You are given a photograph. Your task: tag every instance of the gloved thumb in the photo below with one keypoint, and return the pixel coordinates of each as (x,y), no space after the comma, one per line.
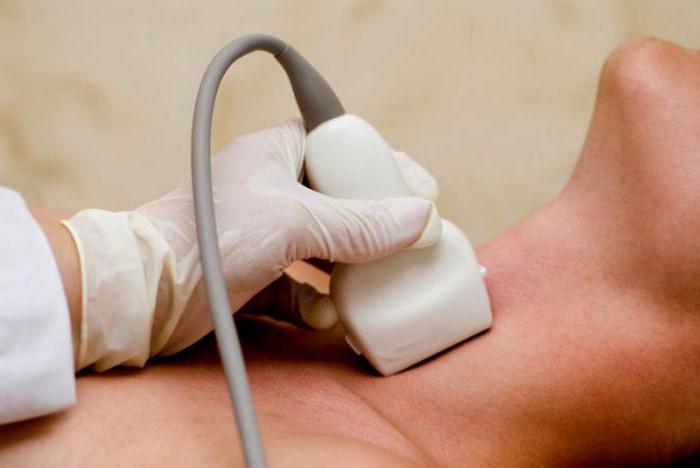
(358,231)
(291,301)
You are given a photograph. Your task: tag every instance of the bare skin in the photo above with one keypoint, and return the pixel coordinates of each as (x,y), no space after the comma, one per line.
(594,356)
(67,259)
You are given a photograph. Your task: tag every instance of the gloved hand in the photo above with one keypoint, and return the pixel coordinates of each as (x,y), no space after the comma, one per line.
(142,288)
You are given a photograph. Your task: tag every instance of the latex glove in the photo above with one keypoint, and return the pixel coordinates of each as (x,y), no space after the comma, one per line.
(142,288)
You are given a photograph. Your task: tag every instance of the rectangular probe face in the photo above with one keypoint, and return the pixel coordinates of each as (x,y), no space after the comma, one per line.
(403,309)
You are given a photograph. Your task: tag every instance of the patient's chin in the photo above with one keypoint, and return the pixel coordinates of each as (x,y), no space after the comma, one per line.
(637,182)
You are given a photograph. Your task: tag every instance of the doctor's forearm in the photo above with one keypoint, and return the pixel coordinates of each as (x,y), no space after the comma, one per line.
(67,260)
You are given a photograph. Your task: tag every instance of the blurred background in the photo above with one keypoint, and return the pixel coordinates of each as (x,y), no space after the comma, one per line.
(493,97)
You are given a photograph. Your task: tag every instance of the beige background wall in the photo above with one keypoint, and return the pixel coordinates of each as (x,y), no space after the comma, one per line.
(493,97)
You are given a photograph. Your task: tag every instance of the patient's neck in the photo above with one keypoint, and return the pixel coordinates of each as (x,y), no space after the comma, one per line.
(576,361)
(594,351)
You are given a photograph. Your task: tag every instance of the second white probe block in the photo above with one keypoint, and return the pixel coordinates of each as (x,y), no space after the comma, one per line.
(407,307)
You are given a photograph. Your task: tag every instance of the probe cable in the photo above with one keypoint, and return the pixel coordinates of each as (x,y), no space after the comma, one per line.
(317,103)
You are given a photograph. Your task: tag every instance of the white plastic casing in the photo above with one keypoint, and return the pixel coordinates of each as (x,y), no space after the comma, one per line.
(401,309)
(347,158)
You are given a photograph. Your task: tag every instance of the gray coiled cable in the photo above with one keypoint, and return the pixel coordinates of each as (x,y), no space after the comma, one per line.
(317,103)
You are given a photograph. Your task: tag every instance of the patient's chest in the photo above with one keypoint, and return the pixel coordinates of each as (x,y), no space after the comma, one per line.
(177,413)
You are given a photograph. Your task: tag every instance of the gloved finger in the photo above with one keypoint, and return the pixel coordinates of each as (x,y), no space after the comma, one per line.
(313,308)
(357,231)
(297,303)
(280,147)
(417,179)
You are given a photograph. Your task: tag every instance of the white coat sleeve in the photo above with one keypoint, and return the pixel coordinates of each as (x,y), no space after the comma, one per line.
(36,356)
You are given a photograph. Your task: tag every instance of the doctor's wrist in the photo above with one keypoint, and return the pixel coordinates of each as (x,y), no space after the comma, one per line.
(68,262)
